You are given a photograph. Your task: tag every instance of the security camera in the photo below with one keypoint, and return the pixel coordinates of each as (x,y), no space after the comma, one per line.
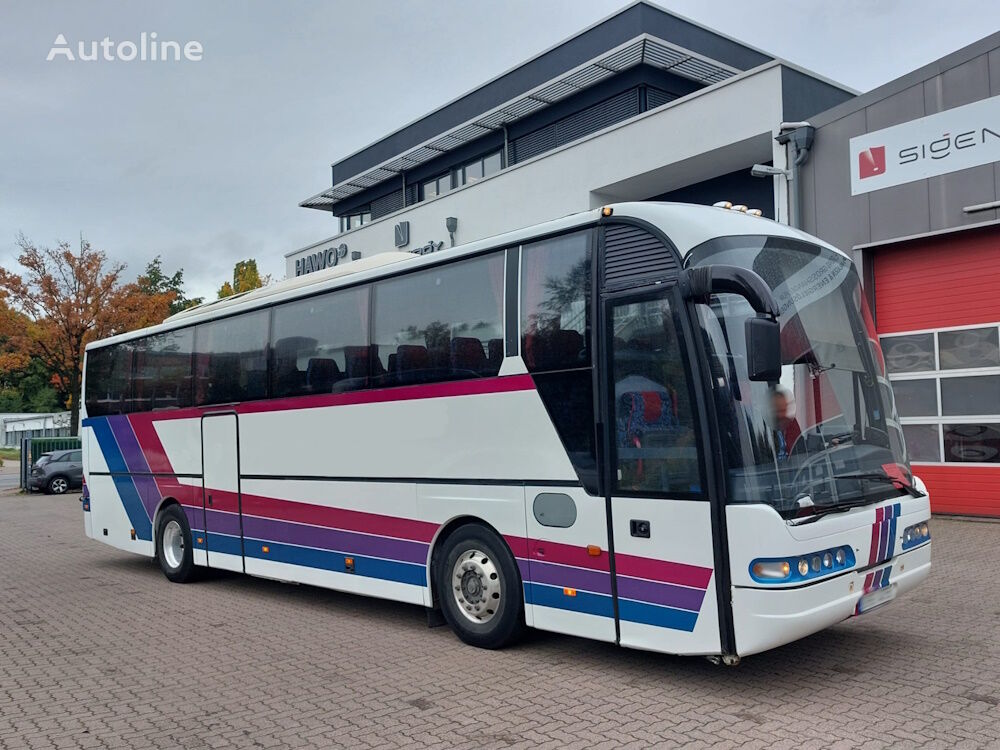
(763,170)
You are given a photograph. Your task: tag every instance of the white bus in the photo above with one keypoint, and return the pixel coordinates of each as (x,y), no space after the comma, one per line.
(660,425)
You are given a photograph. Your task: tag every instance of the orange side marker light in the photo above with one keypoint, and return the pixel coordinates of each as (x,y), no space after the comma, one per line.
(593,550)
(569,592)
(265,549)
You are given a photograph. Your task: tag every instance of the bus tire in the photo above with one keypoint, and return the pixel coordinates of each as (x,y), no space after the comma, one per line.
(174,551)
(479,588)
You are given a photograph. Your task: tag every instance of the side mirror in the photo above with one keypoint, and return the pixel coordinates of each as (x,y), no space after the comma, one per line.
(763,334)
(763,337)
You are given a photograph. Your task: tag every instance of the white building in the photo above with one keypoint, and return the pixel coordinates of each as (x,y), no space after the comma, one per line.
(644,105)
(15,427)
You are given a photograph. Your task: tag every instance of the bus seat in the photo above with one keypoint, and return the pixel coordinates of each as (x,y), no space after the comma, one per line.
(356,361)
(643,413)
(467,355)
(411,359)
(321,374)
(496,355)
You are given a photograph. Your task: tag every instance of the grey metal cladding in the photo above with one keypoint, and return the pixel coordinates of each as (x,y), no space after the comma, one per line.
(577,125)
(633,257)
(657,97)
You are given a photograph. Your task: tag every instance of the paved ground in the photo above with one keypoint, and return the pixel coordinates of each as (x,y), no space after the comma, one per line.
(10,473)
(98,650)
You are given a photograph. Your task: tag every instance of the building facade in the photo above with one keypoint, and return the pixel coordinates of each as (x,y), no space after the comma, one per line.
(907,176)
(644,105)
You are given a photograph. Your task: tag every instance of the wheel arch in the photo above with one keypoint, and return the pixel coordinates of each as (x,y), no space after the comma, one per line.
(164,503)
(441,537)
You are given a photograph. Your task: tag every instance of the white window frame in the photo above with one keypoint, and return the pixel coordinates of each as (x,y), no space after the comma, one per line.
(938,375)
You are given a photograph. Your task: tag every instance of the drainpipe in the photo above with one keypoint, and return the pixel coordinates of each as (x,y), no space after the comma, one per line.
(799,135)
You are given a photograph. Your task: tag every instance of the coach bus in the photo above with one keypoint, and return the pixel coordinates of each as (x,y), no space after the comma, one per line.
(660,425)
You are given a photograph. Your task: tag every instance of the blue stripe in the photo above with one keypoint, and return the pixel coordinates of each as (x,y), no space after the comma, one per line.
(584,601)
(892,532)
(369,567)
(134,508)
(223,543)
(652,614)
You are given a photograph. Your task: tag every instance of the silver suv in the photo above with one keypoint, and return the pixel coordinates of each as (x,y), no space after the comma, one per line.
(57,472)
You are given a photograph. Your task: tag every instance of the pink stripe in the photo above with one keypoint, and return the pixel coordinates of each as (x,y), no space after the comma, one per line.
(567,554)
(663,570)
(876,528)
(480,386)
(868,582)
(336,518)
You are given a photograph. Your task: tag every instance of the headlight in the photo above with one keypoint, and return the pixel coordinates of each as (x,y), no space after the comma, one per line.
(916,534)
(806,568)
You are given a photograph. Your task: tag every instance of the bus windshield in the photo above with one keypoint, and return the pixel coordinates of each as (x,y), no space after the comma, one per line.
(826,434)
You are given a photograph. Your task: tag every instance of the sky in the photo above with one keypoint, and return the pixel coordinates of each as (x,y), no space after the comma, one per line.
(205,162)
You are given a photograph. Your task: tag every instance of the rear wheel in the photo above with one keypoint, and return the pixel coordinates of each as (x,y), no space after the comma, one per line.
(58,485)
(479,588)
(173,545)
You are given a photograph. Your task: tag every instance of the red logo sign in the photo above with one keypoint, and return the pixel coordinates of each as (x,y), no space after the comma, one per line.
(871,162)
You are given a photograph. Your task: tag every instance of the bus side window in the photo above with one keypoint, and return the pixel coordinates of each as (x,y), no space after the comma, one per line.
(438,324)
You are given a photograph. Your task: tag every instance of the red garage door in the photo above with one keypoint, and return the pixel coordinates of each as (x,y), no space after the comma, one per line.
(937,308)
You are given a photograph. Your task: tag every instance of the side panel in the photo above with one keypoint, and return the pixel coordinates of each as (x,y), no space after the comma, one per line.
(361,537)
(666,584)
(566,568)
(223,530)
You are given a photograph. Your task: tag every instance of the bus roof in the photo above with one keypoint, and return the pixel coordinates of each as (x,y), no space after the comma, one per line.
(685,224)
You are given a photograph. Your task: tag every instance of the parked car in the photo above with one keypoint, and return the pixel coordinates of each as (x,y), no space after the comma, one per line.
(57,471)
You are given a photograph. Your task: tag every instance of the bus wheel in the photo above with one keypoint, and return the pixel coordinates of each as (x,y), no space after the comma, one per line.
(173,545)
(479,588)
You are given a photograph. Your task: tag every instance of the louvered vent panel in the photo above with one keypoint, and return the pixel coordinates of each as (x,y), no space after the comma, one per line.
(632,257)
(575,126)
(387,204)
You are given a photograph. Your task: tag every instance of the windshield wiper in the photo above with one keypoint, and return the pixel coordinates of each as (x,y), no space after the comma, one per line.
(874,476)
(823,510)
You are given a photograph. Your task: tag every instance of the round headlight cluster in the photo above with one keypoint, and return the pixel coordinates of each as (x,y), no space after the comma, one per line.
(915,534)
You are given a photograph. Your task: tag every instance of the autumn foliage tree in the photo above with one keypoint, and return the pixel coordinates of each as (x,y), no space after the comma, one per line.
(245,277)
(63,300)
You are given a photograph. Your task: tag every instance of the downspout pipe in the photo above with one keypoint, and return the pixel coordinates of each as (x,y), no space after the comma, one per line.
(800,136)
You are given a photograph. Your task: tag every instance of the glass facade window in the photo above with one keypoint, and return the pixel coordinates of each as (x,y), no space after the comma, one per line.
(353,221)
(972,443)
(943,408)
(482,166)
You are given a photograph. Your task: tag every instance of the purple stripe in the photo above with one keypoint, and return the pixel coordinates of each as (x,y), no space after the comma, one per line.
(220,522)
(883,540)
(130,449)
(666,594)
(195,516)
(149,493)
(270,530)
(877,580)
(568,576)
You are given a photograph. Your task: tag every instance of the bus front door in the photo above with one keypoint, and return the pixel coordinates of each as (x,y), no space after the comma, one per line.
(221,491)
(661,519)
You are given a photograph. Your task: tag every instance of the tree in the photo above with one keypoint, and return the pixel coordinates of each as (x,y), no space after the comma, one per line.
(64,300)
(245,277)
(153,282)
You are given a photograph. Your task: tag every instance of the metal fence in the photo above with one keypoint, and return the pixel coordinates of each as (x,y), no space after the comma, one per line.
(32,448)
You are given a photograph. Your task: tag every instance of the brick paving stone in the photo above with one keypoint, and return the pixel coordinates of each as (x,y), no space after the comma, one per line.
(98,650)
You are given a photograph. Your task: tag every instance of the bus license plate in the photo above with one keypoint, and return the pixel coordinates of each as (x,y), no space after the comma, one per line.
(876,598)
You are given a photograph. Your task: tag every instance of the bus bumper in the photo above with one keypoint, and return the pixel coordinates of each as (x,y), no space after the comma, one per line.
(766,618)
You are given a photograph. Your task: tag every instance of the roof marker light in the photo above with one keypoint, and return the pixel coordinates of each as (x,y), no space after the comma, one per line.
(755,212)
(740,207)
(607,211)
(722,204)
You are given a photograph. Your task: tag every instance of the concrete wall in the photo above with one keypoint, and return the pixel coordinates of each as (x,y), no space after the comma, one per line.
(711,133)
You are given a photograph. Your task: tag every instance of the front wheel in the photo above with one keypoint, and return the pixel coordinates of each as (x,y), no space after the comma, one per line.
(173,545)
(479,588)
